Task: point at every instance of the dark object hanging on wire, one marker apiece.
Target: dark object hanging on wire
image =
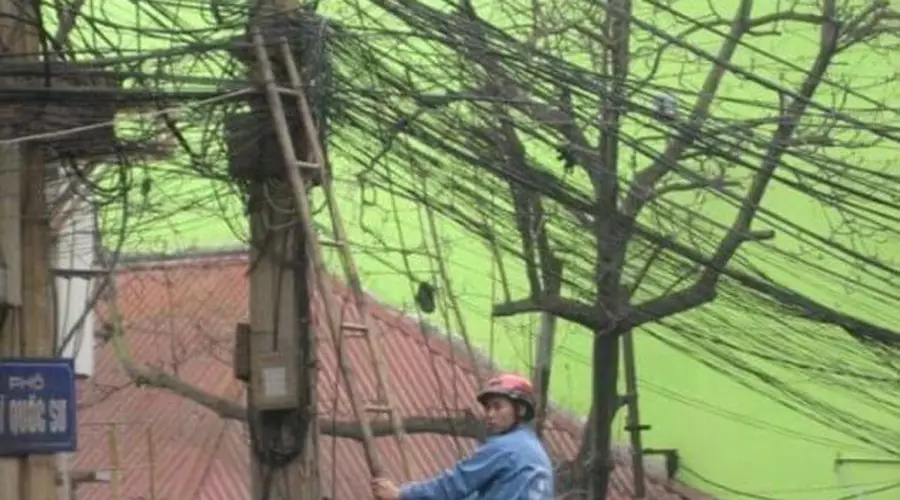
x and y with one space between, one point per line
425 297
565 155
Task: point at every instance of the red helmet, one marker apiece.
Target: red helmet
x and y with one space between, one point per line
514 387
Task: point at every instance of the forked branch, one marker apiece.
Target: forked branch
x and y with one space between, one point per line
530 215
568 309
645 180
703 290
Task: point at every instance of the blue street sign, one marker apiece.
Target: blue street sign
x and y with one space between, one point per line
37 406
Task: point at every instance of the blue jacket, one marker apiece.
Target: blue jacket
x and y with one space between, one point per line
511 466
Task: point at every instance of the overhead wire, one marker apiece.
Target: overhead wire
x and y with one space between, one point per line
417 58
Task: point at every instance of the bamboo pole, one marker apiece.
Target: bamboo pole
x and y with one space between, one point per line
151 456
114 461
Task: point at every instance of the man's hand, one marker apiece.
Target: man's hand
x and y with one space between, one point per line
385 489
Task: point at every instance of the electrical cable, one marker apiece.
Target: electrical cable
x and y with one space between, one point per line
405 74
730 490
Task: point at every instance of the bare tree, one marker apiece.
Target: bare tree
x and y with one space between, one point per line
584 129
653 251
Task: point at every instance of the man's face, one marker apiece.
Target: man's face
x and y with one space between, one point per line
500 414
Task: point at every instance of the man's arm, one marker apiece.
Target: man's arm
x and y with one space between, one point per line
466 477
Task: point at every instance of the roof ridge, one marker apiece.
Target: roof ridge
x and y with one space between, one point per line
142 261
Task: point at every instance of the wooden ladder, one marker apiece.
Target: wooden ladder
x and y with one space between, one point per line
384 401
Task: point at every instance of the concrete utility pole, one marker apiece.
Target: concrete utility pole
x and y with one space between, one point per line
279 336
27 329
280 326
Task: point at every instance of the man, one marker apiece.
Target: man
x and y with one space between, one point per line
511 465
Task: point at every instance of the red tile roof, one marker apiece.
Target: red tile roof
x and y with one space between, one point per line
180 316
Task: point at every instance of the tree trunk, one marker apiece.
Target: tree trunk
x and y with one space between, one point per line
594 463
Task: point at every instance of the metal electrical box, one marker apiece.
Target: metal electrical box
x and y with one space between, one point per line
273 376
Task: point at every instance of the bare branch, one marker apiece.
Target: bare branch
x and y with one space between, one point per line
529 209
756 22
661 307
776 149
703 290
520 80
679 187
864 25
560 118
465 425
645 180
806 307
154 377
645 269
568 309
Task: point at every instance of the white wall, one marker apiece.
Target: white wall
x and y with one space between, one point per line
76 250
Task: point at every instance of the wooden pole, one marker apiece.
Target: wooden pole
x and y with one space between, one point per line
280 313
64 484
545 343
634 419
151 457
114 465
